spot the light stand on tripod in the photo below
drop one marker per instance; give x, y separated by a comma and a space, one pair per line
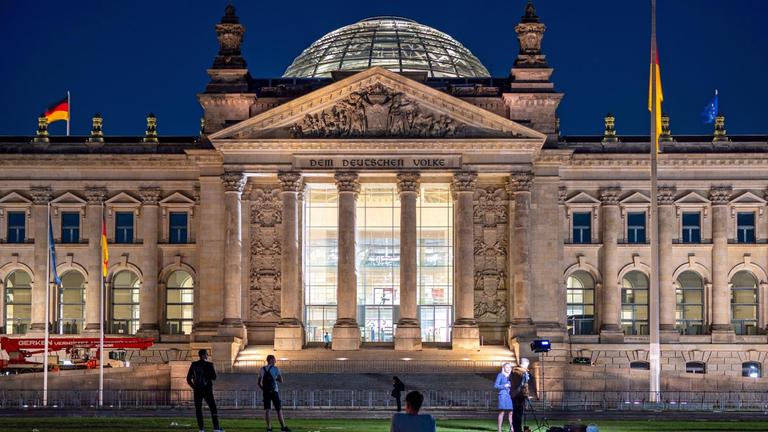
540, 346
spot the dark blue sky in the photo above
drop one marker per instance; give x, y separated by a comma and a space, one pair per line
127, 58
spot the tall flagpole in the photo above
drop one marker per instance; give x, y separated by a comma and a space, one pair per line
655, 348
69, 111
47, 309
101, 311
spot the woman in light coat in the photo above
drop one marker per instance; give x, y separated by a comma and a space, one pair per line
502, 384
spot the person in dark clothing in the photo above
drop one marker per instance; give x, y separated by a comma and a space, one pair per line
200, 377
397, 388
522, 386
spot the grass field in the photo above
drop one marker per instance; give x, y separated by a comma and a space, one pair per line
120, 424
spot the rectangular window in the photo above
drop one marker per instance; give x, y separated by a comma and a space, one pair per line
636, 227
692, 227
16, 227
124, 227
178, 227
582, 227
745, 227
70, 227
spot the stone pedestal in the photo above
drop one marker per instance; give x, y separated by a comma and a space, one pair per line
346, 336
289, 337
465, 337
407, 337
466, 333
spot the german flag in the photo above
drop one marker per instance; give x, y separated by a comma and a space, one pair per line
58, 111
104, 247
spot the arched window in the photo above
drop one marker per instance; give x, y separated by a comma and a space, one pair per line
751, 369
18, 302
179, 303
696, 367
689, 290
744, 303
580, 292
634, 303
125, 303
640, 365
71, 302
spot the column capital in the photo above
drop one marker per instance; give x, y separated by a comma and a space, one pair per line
347, 181
520, 181
464, 181
234, 181
408, 181
720, 195
665, 195
610, 196
149, 195
95, 194
41, 194
290, 181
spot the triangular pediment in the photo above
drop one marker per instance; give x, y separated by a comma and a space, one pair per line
177, 198
582, 198
15, 198
68, 198
748, 198
376, 103
122, 198
636, 198
692, 198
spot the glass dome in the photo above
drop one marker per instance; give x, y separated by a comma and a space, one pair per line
397, 44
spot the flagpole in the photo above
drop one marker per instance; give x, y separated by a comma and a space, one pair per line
655, 347
69, 111
47, 309
101, 313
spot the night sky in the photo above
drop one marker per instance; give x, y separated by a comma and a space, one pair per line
127, 58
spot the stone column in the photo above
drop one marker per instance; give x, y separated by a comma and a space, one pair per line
667, 296
209, 293
610, 330
522, 324
722, 330
466, 333
92, 230
289, 333
408, 334
346, 332
148, 307
41, 196
232, 325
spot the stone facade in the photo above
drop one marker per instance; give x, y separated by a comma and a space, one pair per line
516, 187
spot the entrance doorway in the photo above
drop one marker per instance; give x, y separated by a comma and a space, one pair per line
379, 324
435, 323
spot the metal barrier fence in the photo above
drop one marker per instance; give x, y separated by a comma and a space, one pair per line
477, 400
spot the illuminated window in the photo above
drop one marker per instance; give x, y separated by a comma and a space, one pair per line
689, 315
16, 227
580, 292
71, 302
125, 303
751, 369
634, 303
321, 256
179, 303
744, 301
18, 302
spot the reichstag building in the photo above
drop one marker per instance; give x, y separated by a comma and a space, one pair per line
388, 192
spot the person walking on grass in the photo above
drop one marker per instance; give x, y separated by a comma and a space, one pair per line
503, 385
269, 376
200, 377
411, 420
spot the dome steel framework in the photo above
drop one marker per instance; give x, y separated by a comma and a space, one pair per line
394, 43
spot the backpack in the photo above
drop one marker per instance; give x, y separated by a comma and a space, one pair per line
268, 383
199, 377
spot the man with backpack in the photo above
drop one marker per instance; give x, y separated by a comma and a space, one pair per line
200, 377
269, 376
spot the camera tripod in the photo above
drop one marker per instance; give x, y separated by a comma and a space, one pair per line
541, 425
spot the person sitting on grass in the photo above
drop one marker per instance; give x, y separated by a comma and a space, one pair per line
411, 420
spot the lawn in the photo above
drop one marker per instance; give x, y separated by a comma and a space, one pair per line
154, 424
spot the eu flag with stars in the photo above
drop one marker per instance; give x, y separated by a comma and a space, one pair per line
710, 112
52, 252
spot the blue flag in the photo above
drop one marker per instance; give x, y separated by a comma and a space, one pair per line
711, 110
52, 252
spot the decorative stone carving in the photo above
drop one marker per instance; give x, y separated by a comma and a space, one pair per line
464, 181
290, 181
230, 33
234, 181
521, 181
490, 296
346, 181
265, 249
95, 195
490, 206
665, 195
490, 249
149, 195
408, 181
530, 32
196, 194
41, 194
610, 195
376, 111
562, 194
720, 195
